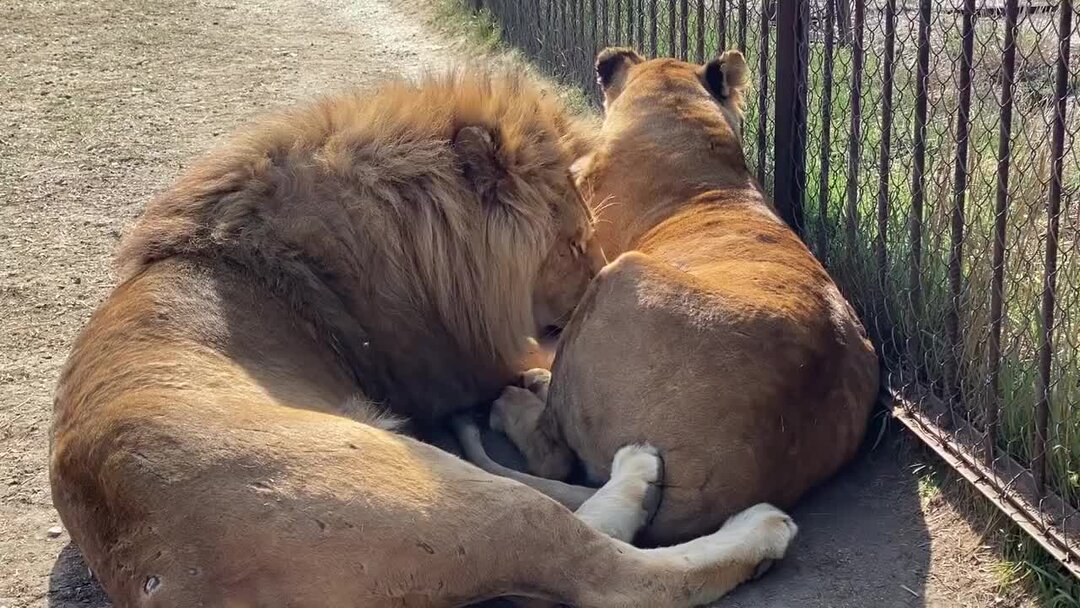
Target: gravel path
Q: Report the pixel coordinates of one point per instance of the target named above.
(103, 102)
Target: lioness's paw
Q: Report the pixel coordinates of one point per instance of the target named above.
(768, 530)
(510, 406)
(537, 380)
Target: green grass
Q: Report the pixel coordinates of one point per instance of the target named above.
(914, 340)
(483, 37)
(1023, 564)
(479, 30)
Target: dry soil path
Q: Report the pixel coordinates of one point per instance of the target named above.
(103, 102)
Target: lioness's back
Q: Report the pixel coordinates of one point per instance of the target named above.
(718, 337)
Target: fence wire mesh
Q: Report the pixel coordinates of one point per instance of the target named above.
(937, 173)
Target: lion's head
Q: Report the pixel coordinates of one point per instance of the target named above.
(536, 220)
(431, 226)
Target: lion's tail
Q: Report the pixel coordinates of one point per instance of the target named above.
(468, 435)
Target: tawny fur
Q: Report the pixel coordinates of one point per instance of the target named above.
(217, 438)
(715, 336)
(355, 210)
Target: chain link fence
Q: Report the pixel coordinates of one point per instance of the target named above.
(925, 150)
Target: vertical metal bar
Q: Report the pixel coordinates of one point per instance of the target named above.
(572, 43)
(885, 148)
(538, 35)
(763, 93)
(641, 25)
(653, 25)
(588, 46)
(564, 12)
(1053, 215)
(671, 51)
(551, 32)
(542, 31)
(520, 32)
(700, 26)
(918, 170)
(742, 26)
(580, 50)
(789, 136)
(953, 381)
(594, 20)
(556, 34)
(843, 22)
(515, 24)
(605, 24)
(1001, 210)
(855, 135)
(721, 26)
(684, 29)
(826, 132)
(617, 38)
(568, 50)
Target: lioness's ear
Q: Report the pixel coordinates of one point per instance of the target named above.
(725, 76)
(477, 148)
(611, 67)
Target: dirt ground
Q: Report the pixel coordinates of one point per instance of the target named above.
(103, 102)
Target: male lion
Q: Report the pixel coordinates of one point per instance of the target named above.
(716, 337)
(219, 437)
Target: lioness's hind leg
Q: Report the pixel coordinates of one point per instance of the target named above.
(537, 380)
(521, 414)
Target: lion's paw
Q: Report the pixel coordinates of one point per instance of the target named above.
(640, 470)
(768, 530)
(638, 461)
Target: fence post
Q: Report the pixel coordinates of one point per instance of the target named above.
(1044, 385)
(789, 137)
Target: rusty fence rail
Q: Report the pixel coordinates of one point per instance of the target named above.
(926, 151)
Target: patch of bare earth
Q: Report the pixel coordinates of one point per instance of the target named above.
(103, 102)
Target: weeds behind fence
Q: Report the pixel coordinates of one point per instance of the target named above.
(925, 151)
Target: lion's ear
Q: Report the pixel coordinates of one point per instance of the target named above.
(477, 149)
(725, 76)
(612, 64)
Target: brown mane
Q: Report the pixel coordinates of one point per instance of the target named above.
(357, 209)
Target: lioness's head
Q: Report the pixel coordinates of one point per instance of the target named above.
(622, 73)
(671, 130)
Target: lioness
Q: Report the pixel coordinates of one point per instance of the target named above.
(716, 337)
(219, 437)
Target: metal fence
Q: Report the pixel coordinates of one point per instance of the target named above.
(925, 150)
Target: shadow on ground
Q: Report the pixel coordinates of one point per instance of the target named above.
(862, 542)
(71, 585)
